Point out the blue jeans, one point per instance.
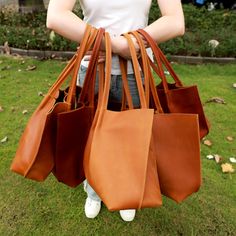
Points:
(114, 96)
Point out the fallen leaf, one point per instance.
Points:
(216, 100)
(32, 67)
(234, 85)
(1, 109)
(218, 158)
(40, 93)
(7, 48)
(208, 143)
(24, 112)
(210, 157)
(19, 70)
(4, 139)
(227, 168)
(229, 138)
(5, 68)
(13, 109)
(232, 159)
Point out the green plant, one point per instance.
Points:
(28, 31)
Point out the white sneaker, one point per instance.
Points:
(127, 215)
(92, 208)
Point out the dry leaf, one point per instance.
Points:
(208, 143)
(229, 138)
(32, 67)
(216, 100)
(1, 109)
(227, 168)
(13, 109)
(210, 157)
(218, 158)
(40, 93)
(24, 112)
(232, 159)
(7, 48)
(4, 139)
(5, 68)
(234, 85)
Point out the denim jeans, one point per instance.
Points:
(115, 96)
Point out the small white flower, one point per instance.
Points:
(213, 43)
(210, 157)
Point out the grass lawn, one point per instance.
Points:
(51, 208)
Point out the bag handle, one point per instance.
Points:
(159, 55)
(69, 67)
(90, 77)
(82, 51)
(125, 90)
(148, 76)
(138, 78)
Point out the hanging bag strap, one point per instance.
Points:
(159, 55)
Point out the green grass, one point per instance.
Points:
(51, 208)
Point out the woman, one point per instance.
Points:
(116, 17)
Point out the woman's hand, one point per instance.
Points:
(120, 46)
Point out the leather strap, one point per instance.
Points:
(159, 55)
(138, 78)
(81, 53)
(148, 76)
(125, 91)
(89, 82)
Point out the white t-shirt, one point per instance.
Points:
(116, 17)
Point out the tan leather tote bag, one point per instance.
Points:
(73, 127)
(117, 151)
(175, 97)
(34, 157)
(176, 144)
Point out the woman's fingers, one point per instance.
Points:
(101, 57)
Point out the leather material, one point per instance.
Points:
(176, 144)
(116, 160)
(176, 98)
(178, 154)
(35, 155)
(73, 128)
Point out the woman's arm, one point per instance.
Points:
(63, 21)
(170, 24)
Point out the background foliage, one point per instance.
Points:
(28, 31)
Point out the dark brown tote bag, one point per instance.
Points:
(176, 98)
(34, 157)
(73, 127)
(117, 151)
(176, 145)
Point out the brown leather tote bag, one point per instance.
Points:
(176, 144)
(73, 127)
(34, 157)
(116, 154)
(176, 98)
